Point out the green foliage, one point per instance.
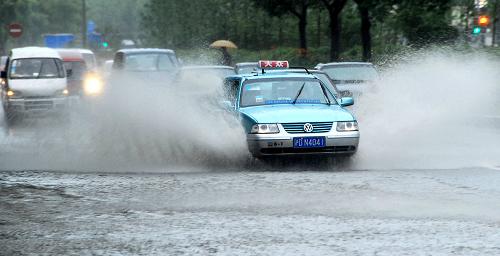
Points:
(117, 19)
(195, 23)
(425, 22)
(260, 28)
(39, 17)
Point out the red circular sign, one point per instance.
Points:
(15, 29)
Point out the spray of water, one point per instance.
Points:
(433, 109)
(141, 125)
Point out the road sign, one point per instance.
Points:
(15, 30)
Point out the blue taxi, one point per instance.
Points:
(289, 113)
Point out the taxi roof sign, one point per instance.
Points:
(267, 64)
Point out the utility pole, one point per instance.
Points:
(494, 25)
(84, 24)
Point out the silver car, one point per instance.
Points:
(352, 77)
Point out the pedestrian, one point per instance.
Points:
(226, 57)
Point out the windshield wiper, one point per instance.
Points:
(40, 71)
(298, 94)
(325, 93)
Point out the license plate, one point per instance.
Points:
(309, 142)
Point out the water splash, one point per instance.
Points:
(432, 109)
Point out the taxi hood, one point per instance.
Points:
(294, 113)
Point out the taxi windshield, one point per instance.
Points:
(284, 91)
(35, 68)
(352, 73)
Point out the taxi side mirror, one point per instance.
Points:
(3, 74)
(346, 101)
(69, 72)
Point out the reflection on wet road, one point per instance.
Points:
(438, 212)
(163, 174)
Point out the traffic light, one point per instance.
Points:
(105, 44)
(483, 20)
(476, 30)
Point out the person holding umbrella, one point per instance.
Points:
(223, 45)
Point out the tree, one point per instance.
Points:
(298, 8)
(425, 22)
(370, 11)
(334, 8)
(117, 19)
(366, 39)
(7, 12)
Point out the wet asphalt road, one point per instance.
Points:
(208, 207)
(235, 212)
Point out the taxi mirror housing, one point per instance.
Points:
(346, 101)
(69, 72)
(3, 74)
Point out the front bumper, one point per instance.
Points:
(38, 104)
(261, 145)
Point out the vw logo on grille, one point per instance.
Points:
(308, 127)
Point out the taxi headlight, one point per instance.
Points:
(92, 86)
(347, 126)
(265, 128)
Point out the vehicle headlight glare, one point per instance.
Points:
(10, 93)
(265, 128)
(92, 86)
(347, 126)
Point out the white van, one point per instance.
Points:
(35, 81)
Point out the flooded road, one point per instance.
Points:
(372, 212)
(164, 174)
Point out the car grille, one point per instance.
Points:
(334, 149)
(38, 105)
(318, 127)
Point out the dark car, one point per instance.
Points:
(75, 66)
(145, 65)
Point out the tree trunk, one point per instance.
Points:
(318, 29)
(366, 38)
(334, 8)
(302, 32)
(335, 26)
